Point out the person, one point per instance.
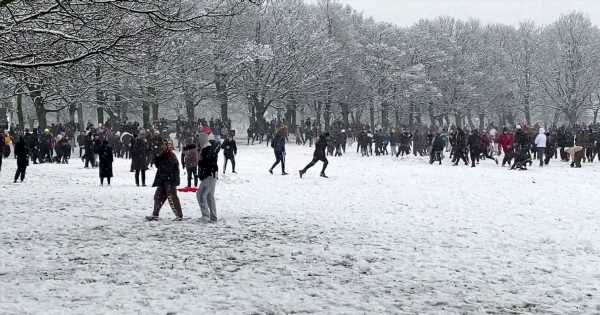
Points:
(540, 144)
(139, 159)
(105, 157)
(437, 148)
(22, 154)
(208, 170)
(229, 152)
(505, 142)
(474, 143)
(577, 154)
(189, 159)
(278, 145)
(319, 155)
(166, 181)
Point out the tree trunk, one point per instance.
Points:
(146, 113)
(290, 114)
(458, 120)
(72, 111)
(20, 109)
(80, 116)
(318, 118)
(153, 103)
(481, 121)
(385, 120)
(595, 116)
(40, 111)
(100, 97)
(372, 117)
(345, 114)
(222, 97)
(572, 117)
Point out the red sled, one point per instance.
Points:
(187, 190)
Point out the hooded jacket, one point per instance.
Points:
(540, 139)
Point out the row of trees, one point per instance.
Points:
(142, 58)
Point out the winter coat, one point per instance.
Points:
(189, 156)
(105, 157)
(520, 138)
(320, 148)
(474, 142)
(278, 143)
(438, 143)
(167, 170)
(540, 139)
(505, 141)
(208, 162)
(139, 155)
(229, 148)
(22, 154)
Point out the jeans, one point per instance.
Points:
(206, 198)
(540, 155)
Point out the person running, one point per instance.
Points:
(319, 155)
(208, 170)
(22, 155)
(166, 181)
(105, 158)
(278, 146)
(229, 152)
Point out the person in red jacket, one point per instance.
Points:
(505, 142)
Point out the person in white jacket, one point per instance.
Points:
(540, 143)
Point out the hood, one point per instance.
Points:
(542, 131)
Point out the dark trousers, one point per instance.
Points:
(163, 193)
(192, 172)
(232, 159)
(20, 173)
(540, 155)
(314, 161)
(508, 155)
(279, 158)
(137, 177)
(474, 157)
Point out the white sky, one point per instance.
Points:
(408, 12)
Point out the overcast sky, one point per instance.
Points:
(407, 12)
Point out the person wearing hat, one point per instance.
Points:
(166, 181)
(319, 155)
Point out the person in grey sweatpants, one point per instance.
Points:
(206, 198)
(208, 170)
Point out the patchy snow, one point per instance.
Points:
(380, 236)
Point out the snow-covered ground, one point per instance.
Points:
(380, 236)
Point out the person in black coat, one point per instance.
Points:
(278, 145)
(22, 154)
(229, 152)
(166, 181)
(437, 147)
(319, 155)
(139, 159)
(474, 142)
(105, 154)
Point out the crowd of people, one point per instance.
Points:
(202, 141)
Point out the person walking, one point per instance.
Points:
(229, 152)
(208, 170)
(278, 145)
(105, 158)
(166, 181)
(319, 155)
(540, 144)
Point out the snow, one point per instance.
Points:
(380, 236)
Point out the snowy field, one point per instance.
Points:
(380, 236)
